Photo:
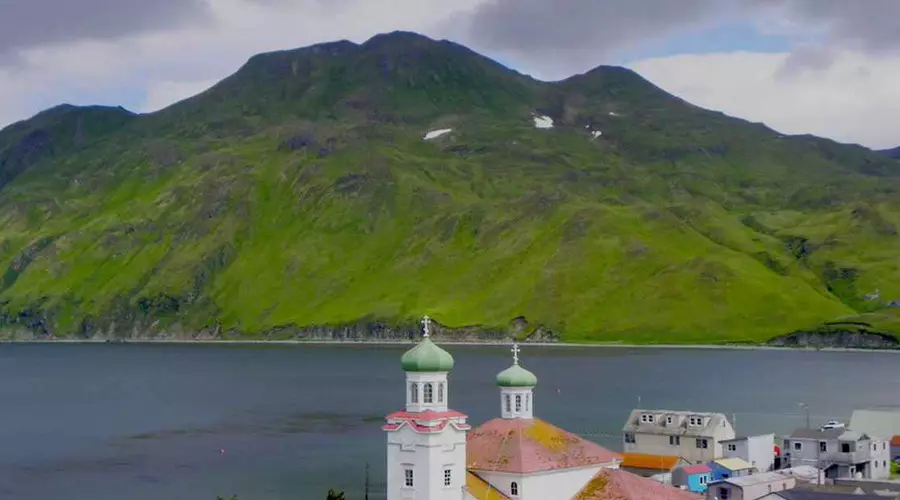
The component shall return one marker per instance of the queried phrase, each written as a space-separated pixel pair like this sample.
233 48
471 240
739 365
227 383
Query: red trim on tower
398 419
426 415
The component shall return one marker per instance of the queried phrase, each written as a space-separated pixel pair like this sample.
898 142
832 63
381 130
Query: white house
883 422
758 451
434 454
840 453
750 487
694 436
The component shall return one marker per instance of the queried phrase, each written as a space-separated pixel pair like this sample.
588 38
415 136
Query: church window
514 488
441 392
518 402
528 402
629 437
408 479
428 392
413 392
508 403
448 478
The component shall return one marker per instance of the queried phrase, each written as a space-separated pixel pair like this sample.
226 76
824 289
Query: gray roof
713 421
745 438
827 434
754 479
800 494
881 422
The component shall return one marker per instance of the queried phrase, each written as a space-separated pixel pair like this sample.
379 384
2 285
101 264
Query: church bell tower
426 442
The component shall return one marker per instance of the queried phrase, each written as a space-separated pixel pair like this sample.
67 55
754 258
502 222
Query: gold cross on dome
515 350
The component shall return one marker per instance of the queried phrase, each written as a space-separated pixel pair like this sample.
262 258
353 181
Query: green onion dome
516 376
426 356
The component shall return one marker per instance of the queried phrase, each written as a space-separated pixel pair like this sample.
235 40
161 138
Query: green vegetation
299 191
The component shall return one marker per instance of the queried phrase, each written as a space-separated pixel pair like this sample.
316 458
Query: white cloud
163 66
854 99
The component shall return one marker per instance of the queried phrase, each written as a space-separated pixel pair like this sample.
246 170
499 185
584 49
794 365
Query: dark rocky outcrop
30 325
846 337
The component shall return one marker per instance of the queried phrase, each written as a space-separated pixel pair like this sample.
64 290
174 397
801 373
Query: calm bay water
150 422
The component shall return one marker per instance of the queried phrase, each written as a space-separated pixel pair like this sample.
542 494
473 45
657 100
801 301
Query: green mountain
300 192
893 153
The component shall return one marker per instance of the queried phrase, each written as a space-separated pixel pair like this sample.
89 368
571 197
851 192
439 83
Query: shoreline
724 347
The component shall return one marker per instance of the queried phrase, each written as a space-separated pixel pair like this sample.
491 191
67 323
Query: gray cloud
575 32
807 58
26 23
871 25
571 35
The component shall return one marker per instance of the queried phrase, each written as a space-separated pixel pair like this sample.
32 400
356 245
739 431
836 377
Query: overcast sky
827 67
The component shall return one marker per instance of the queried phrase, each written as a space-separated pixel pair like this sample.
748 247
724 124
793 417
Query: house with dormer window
695 436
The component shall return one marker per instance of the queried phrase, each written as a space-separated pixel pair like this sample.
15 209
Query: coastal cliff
366 330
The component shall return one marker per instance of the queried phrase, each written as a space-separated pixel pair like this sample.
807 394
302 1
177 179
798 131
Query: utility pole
367 481
806 407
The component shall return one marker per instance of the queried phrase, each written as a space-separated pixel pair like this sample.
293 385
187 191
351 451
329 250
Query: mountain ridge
893 153
299 192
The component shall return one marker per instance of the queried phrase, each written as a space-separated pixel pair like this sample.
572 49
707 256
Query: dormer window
669 420
647 418
695 421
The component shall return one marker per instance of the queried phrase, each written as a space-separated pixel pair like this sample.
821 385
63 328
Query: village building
694 478
725 468
801 494
696 437
750 487
881 422
841 453
434 454
650 465
758 451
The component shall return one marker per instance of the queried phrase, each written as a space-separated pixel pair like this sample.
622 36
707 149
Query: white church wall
428 456
550 485
440 391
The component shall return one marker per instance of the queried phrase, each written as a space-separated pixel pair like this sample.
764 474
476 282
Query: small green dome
426 356
516 376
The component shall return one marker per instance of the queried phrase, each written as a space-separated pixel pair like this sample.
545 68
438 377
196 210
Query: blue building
693 477
726 468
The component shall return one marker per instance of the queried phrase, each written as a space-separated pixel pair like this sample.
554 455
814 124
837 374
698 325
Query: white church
433 453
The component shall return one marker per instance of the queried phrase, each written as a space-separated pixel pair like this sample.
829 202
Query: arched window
528 402
514 488
429 393
413 392
441 392
508 404
518 402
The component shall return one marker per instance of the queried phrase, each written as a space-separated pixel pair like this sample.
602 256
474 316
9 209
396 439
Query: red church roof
524 446
618 484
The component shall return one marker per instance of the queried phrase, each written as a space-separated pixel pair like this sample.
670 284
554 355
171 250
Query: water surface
147 422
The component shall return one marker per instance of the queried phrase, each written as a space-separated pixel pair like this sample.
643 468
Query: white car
833 424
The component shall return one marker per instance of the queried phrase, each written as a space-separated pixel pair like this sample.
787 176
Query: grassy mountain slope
299 191
893 153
